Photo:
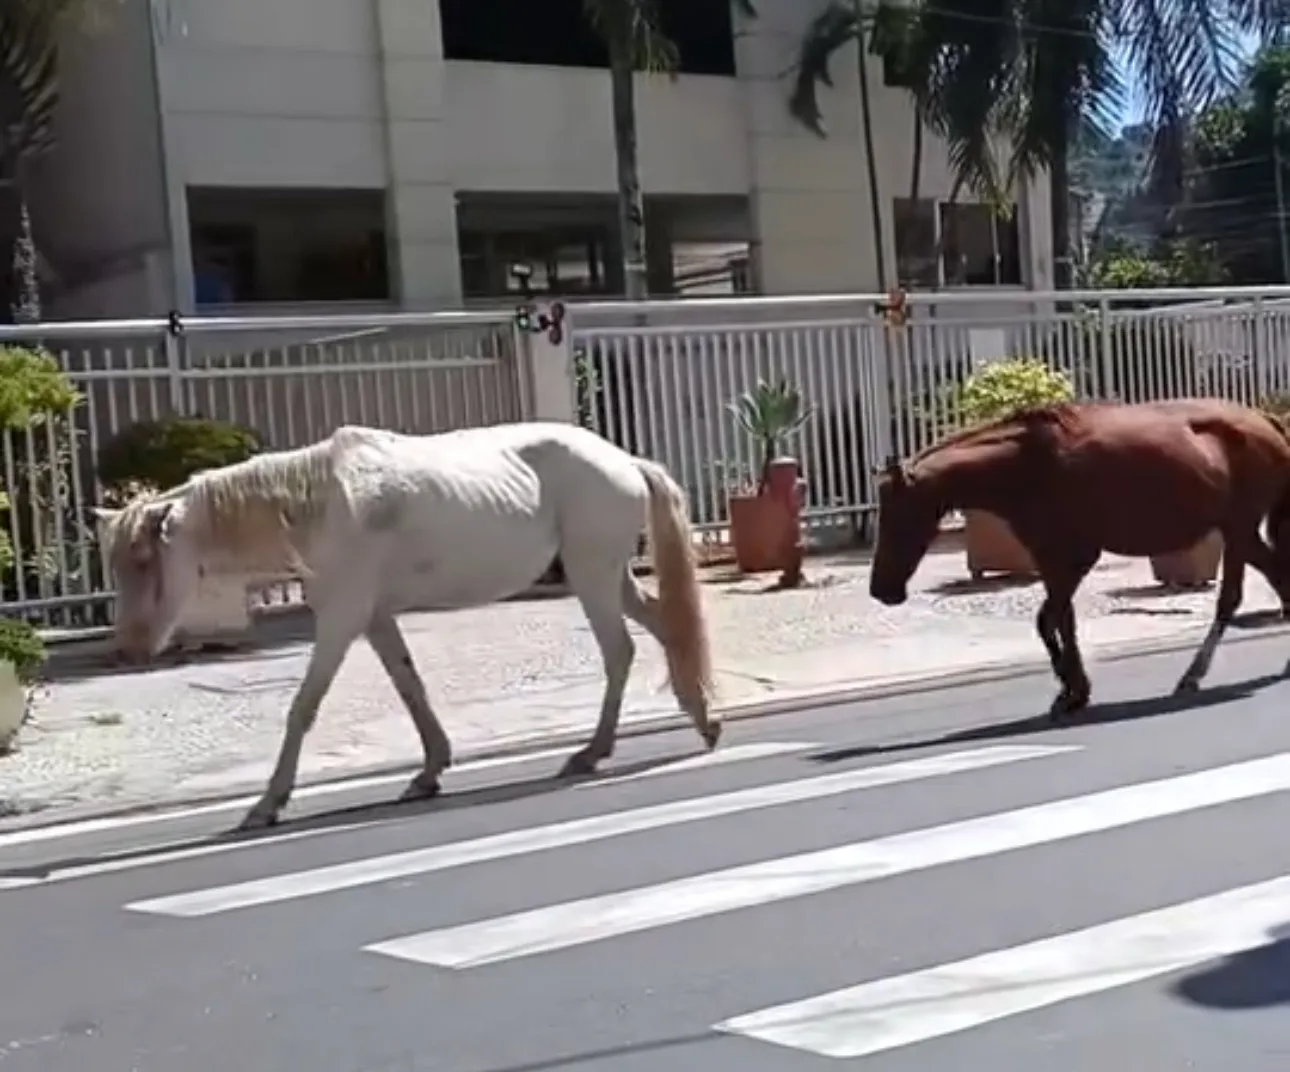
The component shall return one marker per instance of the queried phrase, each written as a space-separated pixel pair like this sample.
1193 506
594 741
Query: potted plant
994 391
1198 565
760 520
22 654
151 456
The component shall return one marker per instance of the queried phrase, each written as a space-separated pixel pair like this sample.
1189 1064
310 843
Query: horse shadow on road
1095 715
1257 978
370 814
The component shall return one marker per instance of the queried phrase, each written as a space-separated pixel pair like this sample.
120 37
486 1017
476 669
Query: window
564 260
704 269
895 72
557 33
287 245
980 248
916 261
959 244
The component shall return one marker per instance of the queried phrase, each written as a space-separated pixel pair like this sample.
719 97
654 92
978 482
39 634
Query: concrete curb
652 724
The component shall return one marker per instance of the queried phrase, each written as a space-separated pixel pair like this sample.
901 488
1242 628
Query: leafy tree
29 35
1230 199
1032 73
634 40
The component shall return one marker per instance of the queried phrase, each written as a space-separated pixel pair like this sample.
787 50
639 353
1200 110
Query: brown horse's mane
1064 415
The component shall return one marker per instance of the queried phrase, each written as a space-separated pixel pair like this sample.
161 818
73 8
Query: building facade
263 154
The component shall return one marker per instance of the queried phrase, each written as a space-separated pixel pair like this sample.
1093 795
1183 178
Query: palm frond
28 81
830 30
1187 55
635 26
1068 83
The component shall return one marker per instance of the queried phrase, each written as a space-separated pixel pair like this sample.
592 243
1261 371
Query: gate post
544 341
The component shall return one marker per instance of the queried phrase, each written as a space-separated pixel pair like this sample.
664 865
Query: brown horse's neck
979 473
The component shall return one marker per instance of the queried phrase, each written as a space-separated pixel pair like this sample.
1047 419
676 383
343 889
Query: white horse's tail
684 623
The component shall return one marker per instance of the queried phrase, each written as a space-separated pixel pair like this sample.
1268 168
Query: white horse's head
240 517
157 565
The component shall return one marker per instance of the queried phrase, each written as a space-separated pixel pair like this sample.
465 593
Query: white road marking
285 887
591 919
905 1009
163 854
735 753
84 827
172 852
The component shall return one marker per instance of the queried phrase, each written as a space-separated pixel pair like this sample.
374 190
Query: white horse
375 522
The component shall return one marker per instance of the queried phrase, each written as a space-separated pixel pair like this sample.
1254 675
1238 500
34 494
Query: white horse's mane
248 508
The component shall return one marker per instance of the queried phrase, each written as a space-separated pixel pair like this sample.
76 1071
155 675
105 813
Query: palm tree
28 98
1035 71
635 42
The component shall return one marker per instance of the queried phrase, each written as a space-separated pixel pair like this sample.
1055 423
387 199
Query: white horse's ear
158 514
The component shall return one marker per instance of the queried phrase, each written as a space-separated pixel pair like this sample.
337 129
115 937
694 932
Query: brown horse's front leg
1056 625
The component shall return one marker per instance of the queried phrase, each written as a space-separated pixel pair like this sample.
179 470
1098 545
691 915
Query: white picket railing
663 376
292 380
666 372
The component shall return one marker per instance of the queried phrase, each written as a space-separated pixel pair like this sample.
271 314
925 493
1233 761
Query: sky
1133 109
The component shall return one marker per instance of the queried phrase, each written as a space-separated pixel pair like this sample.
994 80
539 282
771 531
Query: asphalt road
926 883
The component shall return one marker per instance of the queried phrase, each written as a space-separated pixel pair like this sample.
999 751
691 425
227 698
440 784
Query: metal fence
661 376
292 380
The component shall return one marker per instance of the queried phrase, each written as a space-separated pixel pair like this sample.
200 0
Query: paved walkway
524 669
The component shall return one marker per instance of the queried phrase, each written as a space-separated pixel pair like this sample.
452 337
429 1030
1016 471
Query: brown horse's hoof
1067 703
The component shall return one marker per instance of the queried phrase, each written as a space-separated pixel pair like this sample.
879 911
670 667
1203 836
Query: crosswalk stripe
288 886
591 919
862 1020
735 753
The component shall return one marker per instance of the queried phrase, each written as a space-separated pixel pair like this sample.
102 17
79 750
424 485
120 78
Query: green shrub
1277 406
22 646
32 386
1003 388
163 454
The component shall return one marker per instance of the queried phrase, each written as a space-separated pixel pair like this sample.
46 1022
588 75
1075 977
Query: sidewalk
530 668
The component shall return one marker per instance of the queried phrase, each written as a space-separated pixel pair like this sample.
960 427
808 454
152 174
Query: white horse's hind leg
333 636
599 592
387 641
642 607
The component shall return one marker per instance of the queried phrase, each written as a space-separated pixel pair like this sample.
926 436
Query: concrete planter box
219 615
13 705
992 547
1193 567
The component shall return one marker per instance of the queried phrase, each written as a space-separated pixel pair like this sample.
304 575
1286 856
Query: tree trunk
916 164
26 299
871 162
631 208
1059 186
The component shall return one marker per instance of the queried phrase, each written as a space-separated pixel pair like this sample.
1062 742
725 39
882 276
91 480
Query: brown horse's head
909 514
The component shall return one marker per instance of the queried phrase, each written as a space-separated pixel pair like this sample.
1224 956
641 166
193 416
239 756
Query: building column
810 195
421 206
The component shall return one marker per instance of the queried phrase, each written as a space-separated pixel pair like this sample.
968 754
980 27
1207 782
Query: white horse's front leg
387 641
331 642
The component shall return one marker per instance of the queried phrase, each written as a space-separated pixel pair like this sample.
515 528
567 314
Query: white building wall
356 93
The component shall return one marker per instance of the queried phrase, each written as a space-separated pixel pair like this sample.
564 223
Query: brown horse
1076 479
